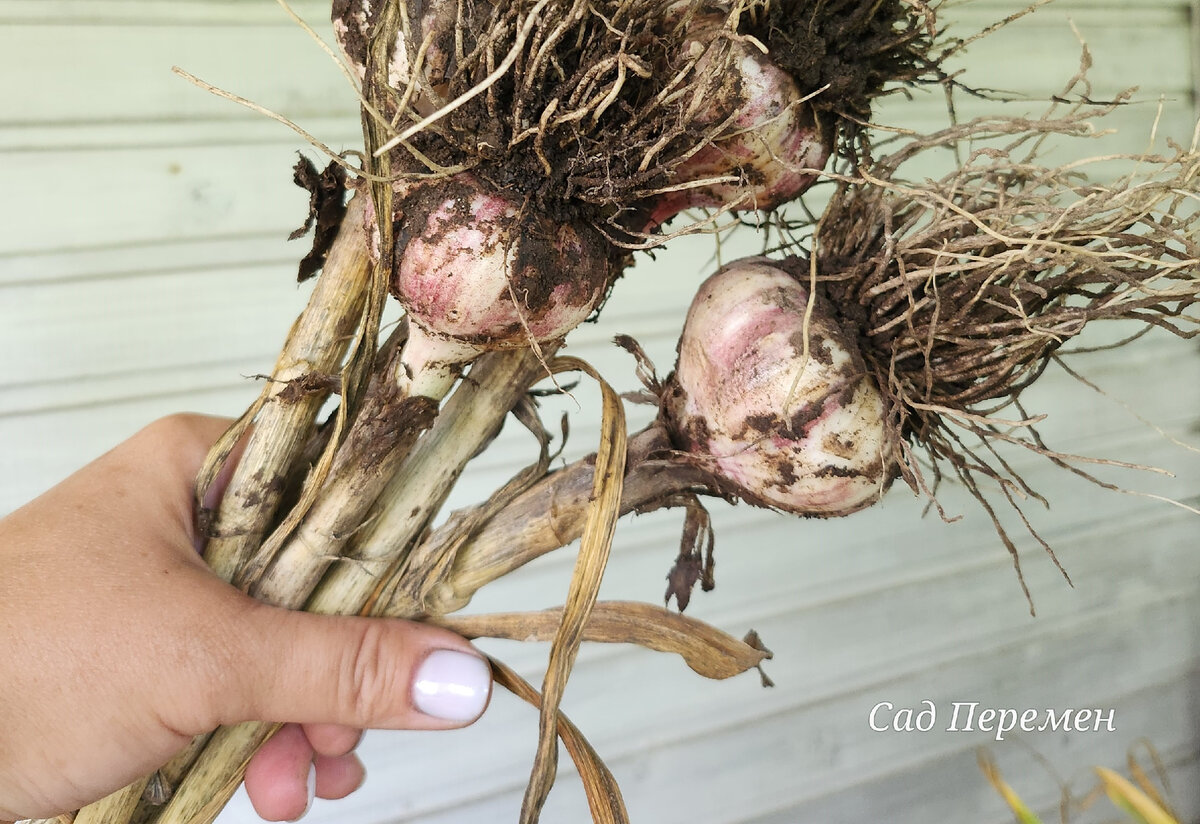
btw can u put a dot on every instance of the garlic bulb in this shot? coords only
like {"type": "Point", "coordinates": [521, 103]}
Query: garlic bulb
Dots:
{"type": "Point", "coordinates": [773, 145]}
{"type": "Point", "coordinates": [486, 269]}
{"type": "Point", "coordinates": [783, 411]}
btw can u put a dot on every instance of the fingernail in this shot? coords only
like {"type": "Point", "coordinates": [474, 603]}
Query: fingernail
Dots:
{"type": "Point", "coordinates": [452, 685]}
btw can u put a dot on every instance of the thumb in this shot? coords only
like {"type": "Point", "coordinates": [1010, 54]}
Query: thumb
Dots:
{"type": "Point", "coordinates": [360, 672]}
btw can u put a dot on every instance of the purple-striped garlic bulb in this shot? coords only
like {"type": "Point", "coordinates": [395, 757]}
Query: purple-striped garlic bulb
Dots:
{"type": "Point", "coordinates": [773, 146]}
{"type": "Point", "coordinates": [478, 269]}
{"type": "Point", "coordinates": [782, 410]}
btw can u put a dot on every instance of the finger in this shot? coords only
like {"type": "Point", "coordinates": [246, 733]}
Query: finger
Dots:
{"type": "Point", "coordinates": [281, 777]}
{"type": "Point", "coordinates": [179, 444]}
{"type": "Point", "coordinates": [359, 672]}
{"type": "Point", "coordinates": [339, 776]}
{"type": "Point", "coordinates": [332, 740]}
{"type": "Point", "coordinates": [216, 489]}
{"type": "Point", "coordinates": [165, 458]}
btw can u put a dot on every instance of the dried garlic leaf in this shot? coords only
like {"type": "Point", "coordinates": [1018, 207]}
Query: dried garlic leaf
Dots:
{"type": "Point", "coordinates": [603, 793]}
{"type": "Point", "coordinates": [599, 526]}
{"type": "Point", "coordinates": [682, 579]}
{"type": "Point", "coordinates": [706, 649]}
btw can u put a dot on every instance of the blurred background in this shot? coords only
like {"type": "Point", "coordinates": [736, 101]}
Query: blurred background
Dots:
{"type": "Point", "coordinates": [144, 270]}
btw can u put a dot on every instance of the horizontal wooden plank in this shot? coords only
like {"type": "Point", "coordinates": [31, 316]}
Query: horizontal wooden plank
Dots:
{"type": "Point", "coordinates": [276, 66]}
{"type": "Point", "coordinates": [152, 195]}
{"type": "Point", "coordinates": [783, 757]}
{"type": "Point", "coordinates": [123, 73]}
{"type": "Point", "coordinates": [1131, 46]}
{"type": "Point", "coordinates": [155, 12]}
{"type": "Point", "coordinates": [118, 327]}
{"type": "Point", "coordinates": [48, 446]}
{"type": "Point", "coordinates": [236, 127]}
{"type": "Point", "coordinates": [907, 797]}
{"type": "Point", "coordinates": [129, 259]}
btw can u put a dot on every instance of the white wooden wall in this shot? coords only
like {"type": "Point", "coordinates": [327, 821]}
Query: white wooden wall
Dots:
{"type": "Point", "coordinates": [143, 270]}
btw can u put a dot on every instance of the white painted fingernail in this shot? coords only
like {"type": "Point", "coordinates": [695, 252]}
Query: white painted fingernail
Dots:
{"type": "Point", "coordinates": [452, 685]}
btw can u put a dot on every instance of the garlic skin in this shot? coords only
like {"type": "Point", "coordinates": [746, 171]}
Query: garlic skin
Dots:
{"type": "Point", "coordinates": [353, 21]}
{"type": "Point", "coordinates": [485, 269]}
{"type": "Point", "coordinates": [823, 449]}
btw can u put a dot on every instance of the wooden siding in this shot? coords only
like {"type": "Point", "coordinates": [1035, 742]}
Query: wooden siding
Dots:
{"type": "Point", "coordinates": [143, 270]}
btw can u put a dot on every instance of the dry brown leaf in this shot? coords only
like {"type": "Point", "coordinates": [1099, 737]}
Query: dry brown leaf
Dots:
{"type": "Point", "coordinates": [595, 545]}
{"type": "Point", "coordinates": [603, 793]}
{"type": "Point", "coordinates": [706, 649]}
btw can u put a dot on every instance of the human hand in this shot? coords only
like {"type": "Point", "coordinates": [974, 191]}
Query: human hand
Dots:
{"type": "Point", "coordinates": [120, 645]}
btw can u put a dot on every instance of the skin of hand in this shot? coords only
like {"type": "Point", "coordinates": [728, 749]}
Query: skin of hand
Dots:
{"type": "Point", "coordinates": [119, 645]}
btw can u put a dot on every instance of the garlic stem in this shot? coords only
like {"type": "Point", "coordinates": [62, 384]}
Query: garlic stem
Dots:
{"type": "Point", "coordinates": [429, 366]}
{"type": "Point", "coordinates": [471, 416]}
{"type": "Point", "coordinates": [316, 345]}
{"type": "Point", "coordinates": [416, 492]}
{"type": "Point", "coordinates": [549, 515]}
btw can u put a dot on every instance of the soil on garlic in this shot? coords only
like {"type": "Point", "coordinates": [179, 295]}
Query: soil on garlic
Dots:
{"type": "Point", "coordinates": [849, 48]}
{"type": "Point", "coordinates": [591, 118]}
